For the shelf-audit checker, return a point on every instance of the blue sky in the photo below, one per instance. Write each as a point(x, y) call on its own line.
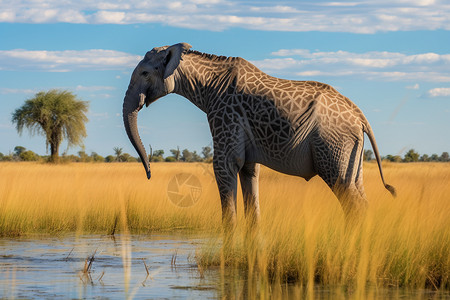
point(392, 58)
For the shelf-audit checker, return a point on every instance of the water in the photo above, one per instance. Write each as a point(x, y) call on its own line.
point(52, 268)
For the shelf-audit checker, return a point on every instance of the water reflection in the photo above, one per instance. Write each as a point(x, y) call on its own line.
point(146, 267)
point(57, 268)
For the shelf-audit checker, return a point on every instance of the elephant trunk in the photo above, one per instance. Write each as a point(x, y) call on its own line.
point(130, 112)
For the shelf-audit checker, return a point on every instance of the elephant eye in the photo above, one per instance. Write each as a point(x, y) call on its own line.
point(145, 73)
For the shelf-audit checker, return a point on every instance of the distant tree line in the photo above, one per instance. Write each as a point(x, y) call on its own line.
point(184, 155)
point(176, 155)
point(22, 154)
point(410, 156)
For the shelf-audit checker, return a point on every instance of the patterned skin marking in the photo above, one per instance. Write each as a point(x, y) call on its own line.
point(302, 128)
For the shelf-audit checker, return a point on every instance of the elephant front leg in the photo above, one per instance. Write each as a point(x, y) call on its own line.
point(227, 184)
point(249, 177)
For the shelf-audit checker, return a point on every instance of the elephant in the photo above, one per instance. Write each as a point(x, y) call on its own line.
point(301, 128)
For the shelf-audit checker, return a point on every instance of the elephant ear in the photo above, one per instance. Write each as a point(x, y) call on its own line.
point(173, 57)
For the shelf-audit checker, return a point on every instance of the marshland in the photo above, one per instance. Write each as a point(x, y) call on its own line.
point(68, 216)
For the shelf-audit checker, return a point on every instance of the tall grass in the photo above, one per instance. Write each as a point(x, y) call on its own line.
point(303, 237)
point(98, 198)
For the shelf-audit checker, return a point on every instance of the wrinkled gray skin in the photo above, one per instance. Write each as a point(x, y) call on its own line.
point(151, 79)
point(301, 128)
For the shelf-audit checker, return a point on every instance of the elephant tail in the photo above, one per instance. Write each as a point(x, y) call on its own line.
point(368, 130)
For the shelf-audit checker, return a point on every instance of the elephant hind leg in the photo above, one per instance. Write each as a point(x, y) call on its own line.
point(249, 176)
point(352, 201)
point(340, 166)
point(359, 183)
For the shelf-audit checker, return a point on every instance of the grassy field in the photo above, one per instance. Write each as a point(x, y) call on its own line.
point(96, 198)
point(302, 236)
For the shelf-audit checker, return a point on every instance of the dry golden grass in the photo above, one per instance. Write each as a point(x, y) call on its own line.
point(403, 241)
point(91, 198)
point(303, 237)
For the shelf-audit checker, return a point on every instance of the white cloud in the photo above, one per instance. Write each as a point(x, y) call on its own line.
point(371, 65)
point(274, 9)
point(275, 64)
point(68, 60)
point(113, 6)
point(311, 73)
point(413, 87)
point(361, 17)
point(439, 92)
point(7, 16)
point(377, 59)
point(110, 17)
point(341, 4)
point(41, 14)
point(419, 2)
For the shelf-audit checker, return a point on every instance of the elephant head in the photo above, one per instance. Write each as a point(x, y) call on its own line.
point(152, 79)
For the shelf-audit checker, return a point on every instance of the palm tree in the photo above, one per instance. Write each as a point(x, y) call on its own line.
point(118, 153)
point(56, 115)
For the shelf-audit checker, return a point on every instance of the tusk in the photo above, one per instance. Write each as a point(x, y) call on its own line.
point(141, 100)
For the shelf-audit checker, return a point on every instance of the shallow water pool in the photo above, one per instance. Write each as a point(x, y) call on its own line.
point(102, 267)
point(48, 267)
